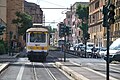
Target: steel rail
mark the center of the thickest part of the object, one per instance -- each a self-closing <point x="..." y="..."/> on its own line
<point x="49" y="72"/>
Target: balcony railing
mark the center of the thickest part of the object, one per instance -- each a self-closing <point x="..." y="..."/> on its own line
<point x="117" y="18"/>
<point x="117" y="33"/>
<point x="117" y="4"/>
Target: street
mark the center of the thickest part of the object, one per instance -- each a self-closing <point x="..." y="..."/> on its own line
<point x="90" y="68"/>
<point x="25" y="70"/>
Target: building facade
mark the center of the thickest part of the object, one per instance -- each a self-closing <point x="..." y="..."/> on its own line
<point x="12" y="7"/>
<point x="35" y="11"/>
<point x="77" y="33"/>
<point x="96" y="29"/>
<point x="98" y="33"/>
<point x="3" y="16"/>
<point x="3" y="11"/>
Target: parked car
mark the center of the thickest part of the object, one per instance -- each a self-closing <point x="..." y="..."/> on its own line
<point x="90" y="44"/>
<point x="80" y="46"/>
<point x="95" y="52"/>
<point x="75" y="47"/>
<point x="102" y="52"/>
<point x="114" y="51"/>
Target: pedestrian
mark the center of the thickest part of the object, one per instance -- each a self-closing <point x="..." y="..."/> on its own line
<point x="93" y="52"/>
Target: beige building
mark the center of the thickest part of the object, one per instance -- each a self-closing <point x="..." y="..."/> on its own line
<point x="12" y="7"/>
<point x="3" y="11"/>
<point x="3" y="16"/>
<point x="97" y="31"/>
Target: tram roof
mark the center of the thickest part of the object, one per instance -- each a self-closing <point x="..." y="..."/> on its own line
<point x="37" y="29"/>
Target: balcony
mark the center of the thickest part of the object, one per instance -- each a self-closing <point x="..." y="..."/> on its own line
<point x="117" y="18"/>
<point x="117" y="33"/>
<point x="117" y="4"/>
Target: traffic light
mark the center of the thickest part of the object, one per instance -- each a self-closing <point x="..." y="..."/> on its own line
<point x="111" y="14"/>
<point x="2" y="27"/>
<point x="61" y="29"/>
<point x="86" y="36"/>
<point x="105" y="16"/>
<point x="68" y="30"/>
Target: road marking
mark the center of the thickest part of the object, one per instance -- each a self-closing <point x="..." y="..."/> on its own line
<point x="68" y="76"/>
<point x="114" y="68"/>
<point x="50" y="73"/>
<point x="99" y="73"/>
<point x="70" y="72"/>
<point x="95" y="71"/>
<point x="19" y="76"/>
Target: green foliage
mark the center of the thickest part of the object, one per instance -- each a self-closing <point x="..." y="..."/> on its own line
<point x="52" y="30"/>
<point x="2" y="47"/>
<point x="82" y="12"/>
<point x="23" y="22"/>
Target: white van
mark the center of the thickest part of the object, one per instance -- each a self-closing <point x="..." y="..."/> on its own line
<point x="114" y="51"/>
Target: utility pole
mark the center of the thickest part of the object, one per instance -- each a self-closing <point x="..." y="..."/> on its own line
<point x="108" y="19"/>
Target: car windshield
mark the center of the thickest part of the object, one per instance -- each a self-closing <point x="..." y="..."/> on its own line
<point x="115" y="45"/>
<point x="115" y="48"/>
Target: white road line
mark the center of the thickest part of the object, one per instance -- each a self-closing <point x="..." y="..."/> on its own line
<point x="50" y="73"/>
<point x="68" y="76"/>
<point x="112" y="78"/>
<point x="19" y="76"/>
<point x="114" y="68"/>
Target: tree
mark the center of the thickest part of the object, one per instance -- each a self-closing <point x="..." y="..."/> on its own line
<point x="52" y="30"/>
<point x="82" y="12"/>
<point x="23" y="22"/>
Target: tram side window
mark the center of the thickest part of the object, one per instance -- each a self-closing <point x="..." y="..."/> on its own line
<point x="31" y="37"/>
<point x="37" y="37"/>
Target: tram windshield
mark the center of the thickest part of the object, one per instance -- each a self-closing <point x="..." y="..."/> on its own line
<point x="38" y="37"/>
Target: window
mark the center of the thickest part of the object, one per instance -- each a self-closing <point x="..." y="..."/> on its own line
<point x="96" y="5"/>
<point x="38" y="37"/>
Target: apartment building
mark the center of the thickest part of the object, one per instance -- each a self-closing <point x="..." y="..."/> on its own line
<point x="68" y="22"/>
<point x="3" y="11"/>
<point x="115" y="29"/>
<point x="12" y="7"/>
<point x="35" y="11"/>
<point x="71" y="21"/>
<point x="76" y="32"/>
<point x="97" y="31"/>
<point x="3" y="16"/>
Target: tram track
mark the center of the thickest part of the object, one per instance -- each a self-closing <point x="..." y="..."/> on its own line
<point x="47" y="70"/>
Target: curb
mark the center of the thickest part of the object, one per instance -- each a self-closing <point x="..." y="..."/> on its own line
<point x="16" y="55"/>
<point x="4" y="66"/>
<point x="70" y="72"/>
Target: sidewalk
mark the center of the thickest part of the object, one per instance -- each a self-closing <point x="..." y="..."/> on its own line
<point x="79" y="72"/>
<point x="5" y="59"/>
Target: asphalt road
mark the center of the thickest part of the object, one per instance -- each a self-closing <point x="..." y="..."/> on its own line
<point x="92" y="65"/>
<point x="22" y="69"/>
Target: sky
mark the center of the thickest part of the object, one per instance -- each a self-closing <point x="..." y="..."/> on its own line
<point x="55" y="15"/>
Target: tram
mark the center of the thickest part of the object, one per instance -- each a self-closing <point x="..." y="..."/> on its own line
<point x="37" y="43"/>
